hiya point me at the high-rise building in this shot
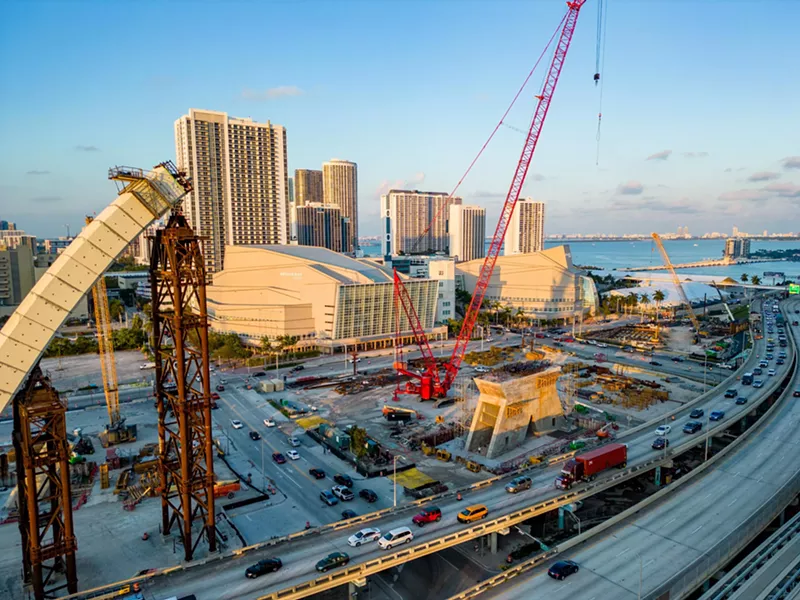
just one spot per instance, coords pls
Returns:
(16, 270)
(415, 222)
(735, 231)
(307, 186)
(737, 248)
(526, 229)
(7, 225)
(239, 173)
(340, 188)
(467, 227)
(320, 225)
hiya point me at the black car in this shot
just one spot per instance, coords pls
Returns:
(563, 569)
(317, 473)
(297, 368)
(260, 374)
(677, 359)
(699, 412)
(741, 400)
(343, 480)
(368, 495)
(220, 388)
(333, 560)
(349, 514)
(731, 393)
(660, 443)
(692, 427)
(796, 394)
(262, 567)
(255, 436)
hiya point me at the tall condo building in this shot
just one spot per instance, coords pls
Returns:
(239, 173)
(415, 222)
(467, 227)
(340, 188)
(526, 230)
(320, 225)
(307, 186)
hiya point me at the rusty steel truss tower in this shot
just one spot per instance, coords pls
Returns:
(43, 488)
(183, 393)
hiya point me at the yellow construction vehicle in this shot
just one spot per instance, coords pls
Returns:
(473, 466)
(116, 431)
(443, 455)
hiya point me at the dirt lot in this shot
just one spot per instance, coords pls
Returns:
(73, 372)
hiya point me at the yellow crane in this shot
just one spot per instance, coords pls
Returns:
(116, 431)
(677, 282)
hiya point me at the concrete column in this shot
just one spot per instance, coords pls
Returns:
(658, 476)
(493, 542)
(561, 518)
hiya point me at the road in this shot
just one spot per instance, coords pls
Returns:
(672, 535)
(224, 579)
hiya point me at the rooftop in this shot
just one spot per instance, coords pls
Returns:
(324, 258)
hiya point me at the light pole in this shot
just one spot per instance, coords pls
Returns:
(641, 573)
(263, 472)
(394, 476)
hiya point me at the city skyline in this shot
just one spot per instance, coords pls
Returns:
(699, 161)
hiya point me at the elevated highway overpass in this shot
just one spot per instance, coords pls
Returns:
(223, 576)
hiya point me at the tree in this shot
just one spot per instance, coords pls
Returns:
(358, 441)
(137, 323)
(745, 278)
(644, 300)
(454, 326)
(659, 297)
(755, 280)
(115, 309)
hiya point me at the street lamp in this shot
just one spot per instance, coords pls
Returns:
(394, 476)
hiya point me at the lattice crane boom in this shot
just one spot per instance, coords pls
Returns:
(676, 281)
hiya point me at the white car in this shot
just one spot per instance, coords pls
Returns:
(771, 372)
(358, 360)
(293, 454)
(601, 345)
(236, 424)
(663, 429)
(222, 382)
(269, 423)
(482, 370)
(370, 534)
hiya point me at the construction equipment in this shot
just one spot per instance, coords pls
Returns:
(399, 413)
(473, 466)
(722, 299)
(430, 383)
(443, 455)
(116, 431)
(677, 282)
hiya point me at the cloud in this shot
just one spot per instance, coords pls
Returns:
(791, 162)
(281, 91)
(731, 169)
(744, 196)
(400, 184)
(784, 190)
(763, 176)
(630, 188)
(36, 172)
(651, 203)
(538, 177)
(87, 148)
(663, 155)
(694, 154)
(46, 199)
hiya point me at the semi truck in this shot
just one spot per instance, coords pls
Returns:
(586, 466)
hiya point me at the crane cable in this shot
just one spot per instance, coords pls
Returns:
(600, 58)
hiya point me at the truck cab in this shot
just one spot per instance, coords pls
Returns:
(586, 466)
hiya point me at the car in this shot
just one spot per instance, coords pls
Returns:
(771, 373)
(601, 345)
(519, 484)
(369, 534)
(328, 498)
(482, 370)
(796, 394)
(236, 424)
(214, 396)
(262, 567)
(563, 569)
(333, 560)
(294, 442)
(655, 363)
(692, 427)
(780, 361)
(395, 537)
(222, 381)
(342, 492)
(757, 371)
(741, 400)
(349, 514)
(343, 480)
(278, 458)
(260, 374)
(293, 454)
(769, 356)
(758, 383)
(716, 415)
(660, 443)
(214, 406)
(696, 413)
(663, 429)
(473, 513)
(297, 368)
(255, 436)
(220, 388)
(317, 473)
(351, 361)
(368, 495)
(678, 359)
(731, 393)
(269, 423)
(427, 515)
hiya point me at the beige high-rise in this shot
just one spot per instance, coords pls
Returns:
(239, 173)
(340, 188)
(415, 222)
(307, 186)
(467, 228)
(526, 229)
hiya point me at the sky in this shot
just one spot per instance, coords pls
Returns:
(700, 103)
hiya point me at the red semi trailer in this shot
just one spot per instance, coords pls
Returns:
(585, 467)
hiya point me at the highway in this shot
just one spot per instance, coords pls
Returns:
(225, 578)
(669, 545)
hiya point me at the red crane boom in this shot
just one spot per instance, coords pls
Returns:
(439, 385)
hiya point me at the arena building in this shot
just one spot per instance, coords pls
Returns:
(326, 299)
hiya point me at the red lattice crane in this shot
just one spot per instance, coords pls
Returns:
(432, 383)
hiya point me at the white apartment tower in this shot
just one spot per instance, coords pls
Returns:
(415, 222)
(467, 226)
(239, 174)
(526, 230)
(340, 188)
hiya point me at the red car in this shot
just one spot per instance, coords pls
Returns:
(278, 458)
(214, 396)
(428, 515)
(220, 388)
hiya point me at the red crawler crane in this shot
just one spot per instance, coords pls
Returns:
(431, 384)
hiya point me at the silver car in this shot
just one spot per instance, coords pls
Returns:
(370, 534)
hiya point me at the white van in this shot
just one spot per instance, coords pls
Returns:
(293, 441)
(401, 535)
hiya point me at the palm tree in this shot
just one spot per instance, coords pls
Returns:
(659, 297)
(644, 300)
(745, 278)
(755, 280)
(631, 300)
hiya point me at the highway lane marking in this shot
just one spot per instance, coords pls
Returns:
(698, 529)
(621, 553)
(732, 502)
(670, 521)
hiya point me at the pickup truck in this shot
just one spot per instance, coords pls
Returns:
(586, 467)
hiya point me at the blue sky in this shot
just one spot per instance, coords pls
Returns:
(410, 90)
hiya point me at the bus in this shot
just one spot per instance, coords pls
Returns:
(747, 379)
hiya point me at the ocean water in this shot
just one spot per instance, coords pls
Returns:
(643, 253)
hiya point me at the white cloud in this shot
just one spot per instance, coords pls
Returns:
(271, 93)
